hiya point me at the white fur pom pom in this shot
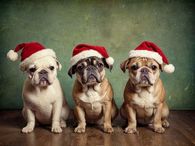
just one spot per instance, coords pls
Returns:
(169, 68)
(12, 55)
(110, 60)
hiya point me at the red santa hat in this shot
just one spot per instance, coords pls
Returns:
(150, 50)
(30, 52)
(82, 51)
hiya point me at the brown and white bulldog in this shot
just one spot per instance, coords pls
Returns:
(144, 94)
(43, 98)
(93, 94)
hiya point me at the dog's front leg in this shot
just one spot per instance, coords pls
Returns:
(131, 117)
(30, 117)
(107, 109)
(57, 107)
(157, 119)
(80, 115)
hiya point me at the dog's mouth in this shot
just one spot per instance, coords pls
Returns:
(44, 82)
(145, 81)
(91, 80)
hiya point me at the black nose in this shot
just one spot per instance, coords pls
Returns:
(144, 70)
(42, 72)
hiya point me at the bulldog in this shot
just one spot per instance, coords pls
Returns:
(144, 94)
(92, 93)
(43, 98)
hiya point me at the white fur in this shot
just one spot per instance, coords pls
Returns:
(92, 101)
(12, 55)
(145, 103)
(144, 99)
(137, 78)
(145, 53)
(90, 96)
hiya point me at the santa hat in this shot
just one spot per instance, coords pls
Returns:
(30, 52)
(82, 51)
(150, 50)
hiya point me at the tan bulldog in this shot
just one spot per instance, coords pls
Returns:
(144, 94)
(92, 92)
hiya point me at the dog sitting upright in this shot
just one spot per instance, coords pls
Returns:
(43, 98)
(144, 94)
(92, 92)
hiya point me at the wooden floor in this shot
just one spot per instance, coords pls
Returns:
(181, 133)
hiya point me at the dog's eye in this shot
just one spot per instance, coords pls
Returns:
(134, 67)
(100, 65)
(80, 67)
(51, 67)
(154, 67)
(32, 69)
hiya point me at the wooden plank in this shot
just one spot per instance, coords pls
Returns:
(181, 133)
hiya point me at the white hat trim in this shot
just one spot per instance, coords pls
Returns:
(37, 55)
(83, 55)
(147, 54)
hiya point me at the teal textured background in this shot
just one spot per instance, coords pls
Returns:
(118, 25)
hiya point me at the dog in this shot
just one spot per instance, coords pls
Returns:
(93, 94)
(43, 98)
(144, 94)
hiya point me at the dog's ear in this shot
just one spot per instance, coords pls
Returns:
(72, 71)
(59, 65)
(160, 67)
(106, 64)
(124, 65)
(23, 67)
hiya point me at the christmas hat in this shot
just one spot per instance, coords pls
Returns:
(82, 51)
(150, 50)
(30, 52)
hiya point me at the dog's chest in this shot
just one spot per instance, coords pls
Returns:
(91, 100)
(144, 99)
(41, 100)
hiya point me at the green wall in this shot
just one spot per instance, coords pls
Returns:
(118, 25)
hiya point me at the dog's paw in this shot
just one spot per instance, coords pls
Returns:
(79, 129)
(56, 129)
(27, 129)
(165, 124)
(63, 124)
(131, 130)
(159, 129)
(108, 129)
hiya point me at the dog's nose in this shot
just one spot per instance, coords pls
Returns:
(144, 70)
(90, 68)
(42, 72)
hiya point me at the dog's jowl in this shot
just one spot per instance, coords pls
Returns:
(92, 92)
(43, 98)
(144, 94)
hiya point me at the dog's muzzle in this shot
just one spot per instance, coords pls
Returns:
(92, 76)
(43, 78)
(144, 76)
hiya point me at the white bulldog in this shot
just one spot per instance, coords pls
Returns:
(43, 97)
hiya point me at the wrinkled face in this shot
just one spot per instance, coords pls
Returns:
(143, 72)
(43, 71)
(89, 71)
